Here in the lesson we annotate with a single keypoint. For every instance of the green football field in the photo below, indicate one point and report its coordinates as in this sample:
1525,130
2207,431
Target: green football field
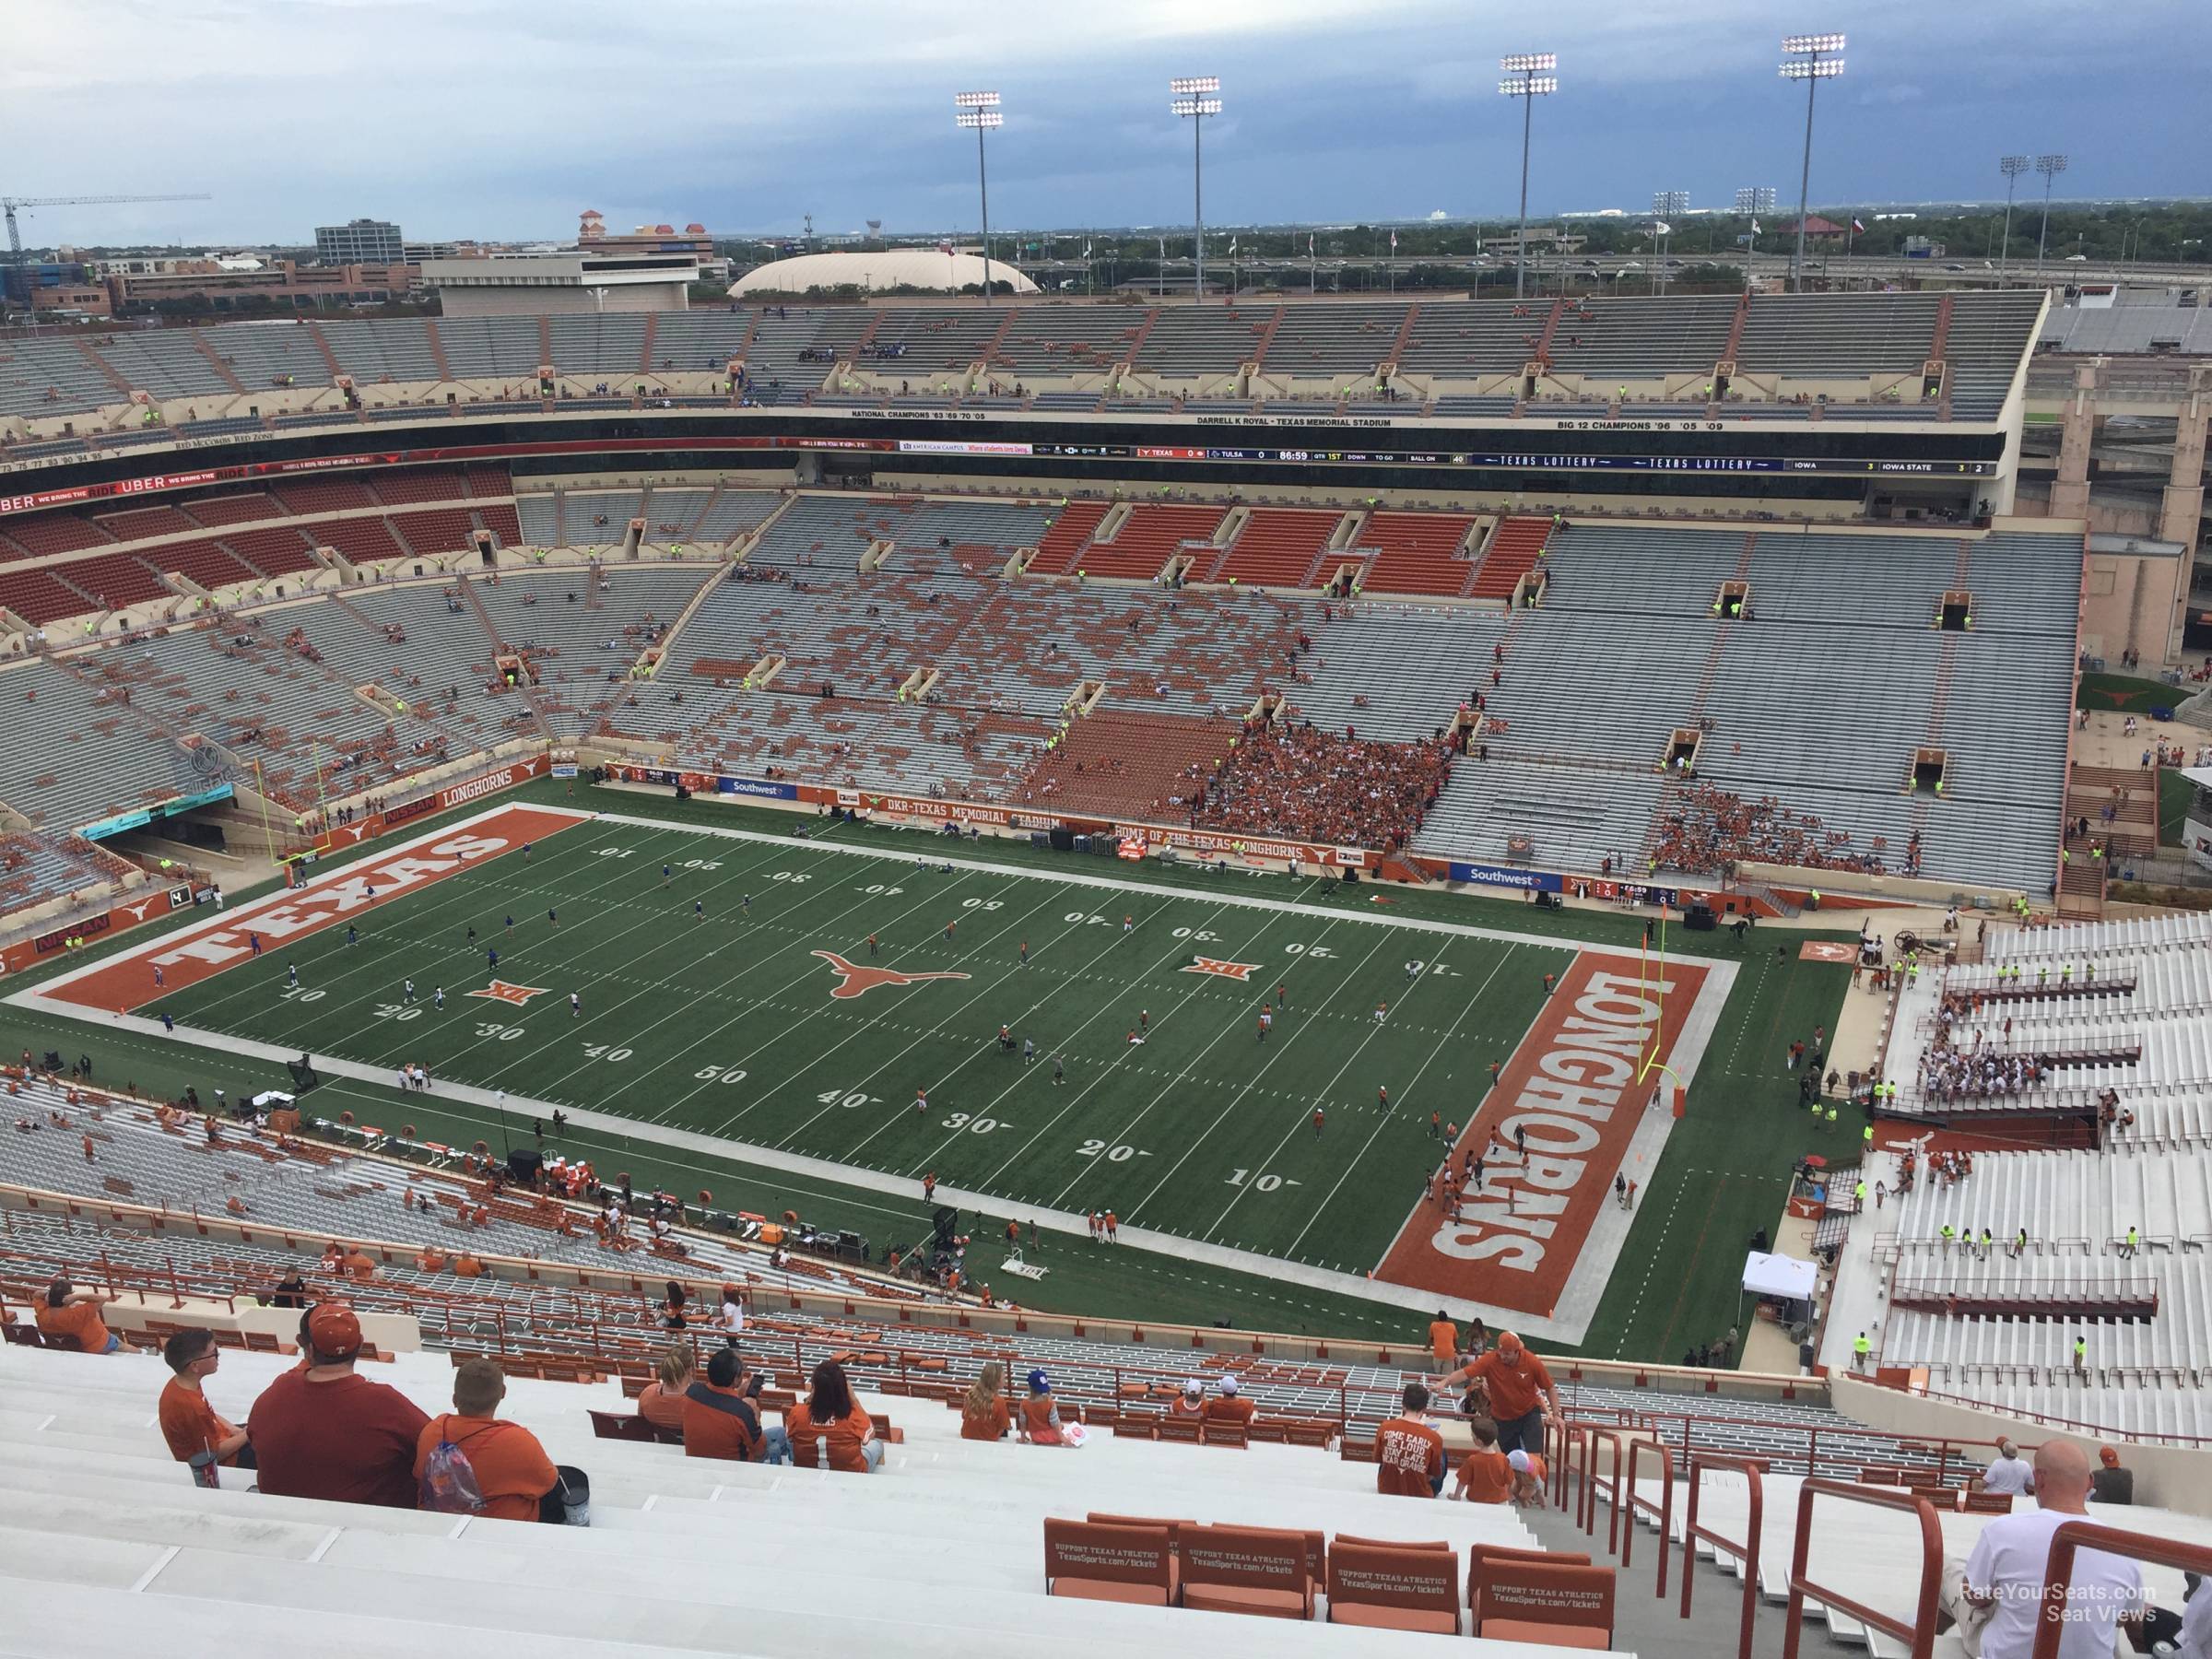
701,1013
703,1005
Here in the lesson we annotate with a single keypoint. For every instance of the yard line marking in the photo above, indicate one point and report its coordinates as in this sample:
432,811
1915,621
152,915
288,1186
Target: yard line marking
1460,930
1012,921
1405,1100
1222,1117
683,1006
1112,941
1104,1073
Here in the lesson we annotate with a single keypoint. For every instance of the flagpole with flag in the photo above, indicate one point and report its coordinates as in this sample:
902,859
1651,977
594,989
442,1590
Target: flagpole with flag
1855,229
1312,268
1393,265
1232,267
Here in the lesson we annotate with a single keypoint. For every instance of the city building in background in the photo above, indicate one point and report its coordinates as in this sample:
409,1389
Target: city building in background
361,242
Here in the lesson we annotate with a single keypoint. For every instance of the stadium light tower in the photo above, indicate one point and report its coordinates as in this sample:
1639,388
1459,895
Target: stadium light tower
1811,59
2012,167
979,111
1526,79
1666,207
1753,199
1196,95
2050,166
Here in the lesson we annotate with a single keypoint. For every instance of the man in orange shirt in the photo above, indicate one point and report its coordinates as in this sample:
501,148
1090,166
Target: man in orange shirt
511,1469
429,1259
1226,1407
719,1419
68,1311
359,1263
1409,1454
189,1424
1444,1339
465,1265
1518,1387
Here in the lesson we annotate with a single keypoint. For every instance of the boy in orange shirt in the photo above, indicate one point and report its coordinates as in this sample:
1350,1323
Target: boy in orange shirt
1409,1454
511,1469
189,1424
1485,1477
68,1311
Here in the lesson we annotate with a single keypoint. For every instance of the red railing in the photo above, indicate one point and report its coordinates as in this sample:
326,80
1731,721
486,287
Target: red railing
1679,1431
1662,1512
1754,1519
1567,1437
1918,1632
2058,1572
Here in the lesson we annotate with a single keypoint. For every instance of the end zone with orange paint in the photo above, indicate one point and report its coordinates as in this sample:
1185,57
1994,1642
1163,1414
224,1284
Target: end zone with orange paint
1579,1084
201,951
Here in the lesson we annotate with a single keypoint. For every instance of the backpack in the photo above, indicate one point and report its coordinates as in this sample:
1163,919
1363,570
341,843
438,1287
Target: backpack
448,1482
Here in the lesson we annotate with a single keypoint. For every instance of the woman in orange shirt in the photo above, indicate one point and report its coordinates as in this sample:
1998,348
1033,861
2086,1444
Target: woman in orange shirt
983,1414
827,1429
662,1402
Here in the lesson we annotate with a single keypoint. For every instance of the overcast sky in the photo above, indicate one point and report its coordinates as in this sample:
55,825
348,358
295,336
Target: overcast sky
506,118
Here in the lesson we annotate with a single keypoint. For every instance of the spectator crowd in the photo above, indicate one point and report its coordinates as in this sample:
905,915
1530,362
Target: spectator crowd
1305,784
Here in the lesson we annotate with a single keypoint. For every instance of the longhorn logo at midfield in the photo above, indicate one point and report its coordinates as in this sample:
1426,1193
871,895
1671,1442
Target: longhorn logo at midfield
854,979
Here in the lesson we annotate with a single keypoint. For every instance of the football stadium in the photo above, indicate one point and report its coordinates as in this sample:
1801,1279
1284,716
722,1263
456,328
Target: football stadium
1580,903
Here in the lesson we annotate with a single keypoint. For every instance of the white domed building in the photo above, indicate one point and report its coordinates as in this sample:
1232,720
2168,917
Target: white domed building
872,272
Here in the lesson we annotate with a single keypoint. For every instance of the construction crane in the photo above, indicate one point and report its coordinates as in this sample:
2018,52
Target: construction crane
15,237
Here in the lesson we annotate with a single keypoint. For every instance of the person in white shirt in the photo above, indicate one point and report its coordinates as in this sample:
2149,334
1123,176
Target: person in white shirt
2195,1639
1998,1597
2009,1472
732,1322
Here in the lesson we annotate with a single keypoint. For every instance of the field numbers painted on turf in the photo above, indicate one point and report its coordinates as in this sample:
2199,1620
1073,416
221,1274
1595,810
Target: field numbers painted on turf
985,904
1083,918
700,864
1259,1184
1318,952
720,1074
877,889
791,876
397,1011
839,1097
499,1033
1203,936
974,1125
1099,1148
600,1051
616,852
294,994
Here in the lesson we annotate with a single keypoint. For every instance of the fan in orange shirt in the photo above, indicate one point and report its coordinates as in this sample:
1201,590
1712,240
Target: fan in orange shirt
828,1429
1519,1388
1225,1406
189,1424
1485,1477
68,1311
1040,1424
1443,1338
511,1469
1409,1454
1191,1401
983,1414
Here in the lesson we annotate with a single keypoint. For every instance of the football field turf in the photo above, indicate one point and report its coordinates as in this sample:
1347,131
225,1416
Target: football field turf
700,1012
703,1004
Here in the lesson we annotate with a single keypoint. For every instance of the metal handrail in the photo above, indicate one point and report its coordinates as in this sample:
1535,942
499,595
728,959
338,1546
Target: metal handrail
1920,1630
2058,1570
1663,1512
1692,1532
